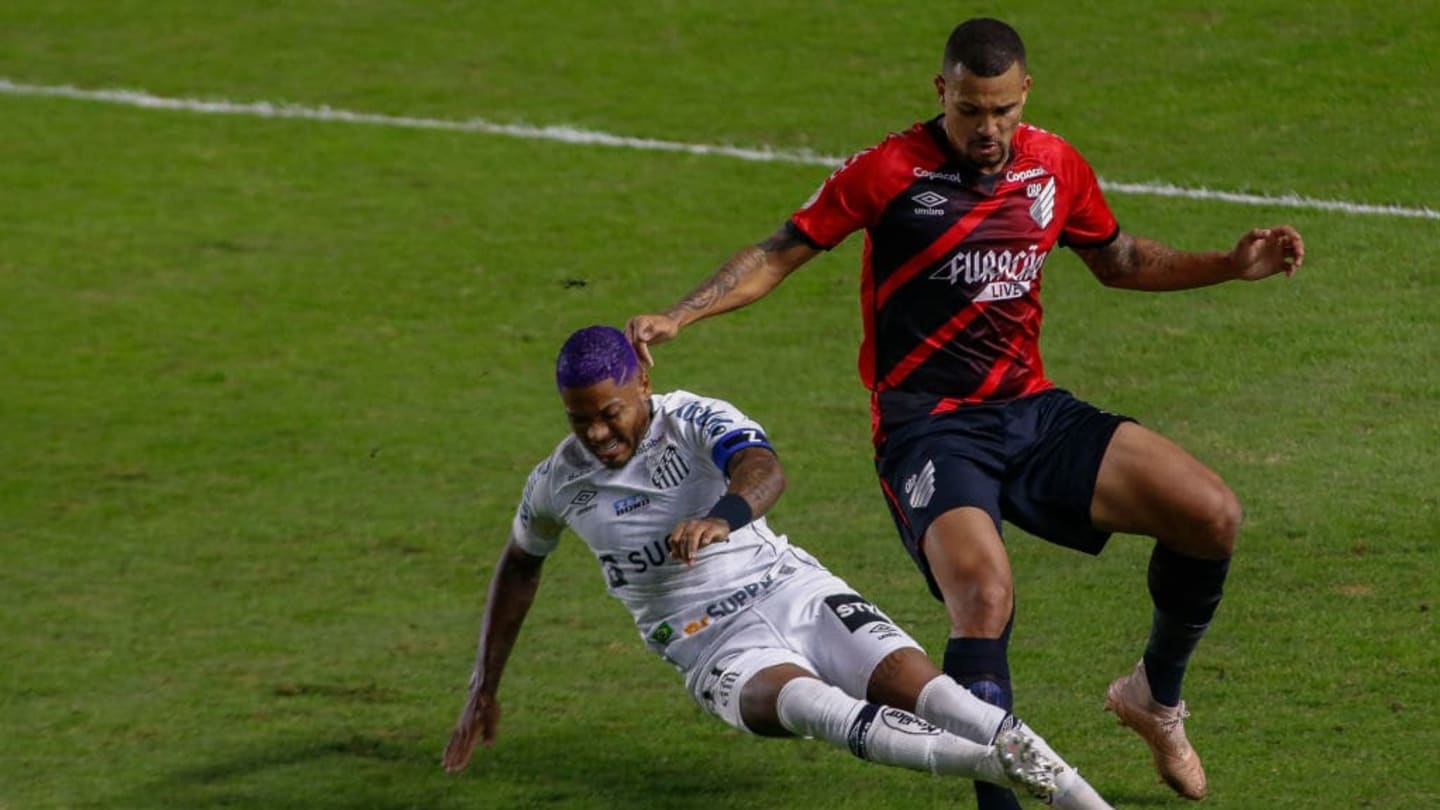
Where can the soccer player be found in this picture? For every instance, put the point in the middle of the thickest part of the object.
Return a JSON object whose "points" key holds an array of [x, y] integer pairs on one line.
{"points": [[669, 492], [960, 213]]}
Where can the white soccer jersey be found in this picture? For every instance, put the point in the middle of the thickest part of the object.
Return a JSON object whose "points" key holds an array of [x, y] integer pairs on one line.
{"points": [[625, 516]]}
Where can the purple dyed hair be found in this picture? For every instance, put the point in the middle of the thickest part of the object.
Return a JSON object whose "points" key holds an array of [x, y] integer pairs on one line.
{"points": [[593, 354]]}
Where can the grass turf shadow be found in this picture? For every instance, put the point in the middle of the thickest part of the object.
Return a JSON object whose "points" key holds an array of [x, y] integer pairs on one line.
{"points": [[390, 772]]}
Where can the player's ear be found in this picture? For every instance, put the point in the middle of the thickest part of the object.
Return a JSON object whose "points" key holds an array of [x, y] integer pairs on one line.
{"points": [[940, 88], [644, 382]]}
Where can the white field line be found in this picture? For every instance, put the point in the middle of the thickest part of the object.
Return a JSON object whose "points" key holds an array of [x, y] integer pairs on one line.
{"points": [[267, 109]]}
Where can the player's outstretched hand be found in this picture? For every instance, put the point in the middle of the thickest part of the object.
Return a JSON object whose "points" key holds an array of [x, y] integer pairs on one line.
{"points": [[692, 535], [644, 330], [1264, 252], [478, 723]]}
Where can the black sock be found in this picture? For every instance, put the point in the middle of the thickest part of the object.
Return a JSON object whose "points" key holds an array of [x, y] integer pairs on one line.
{"points": [[1186, 592], [981, 665]]}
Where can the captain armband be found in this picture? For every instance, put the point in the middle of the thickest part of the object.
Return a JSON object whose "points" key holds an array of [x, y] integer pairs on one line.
{"points": [[735, 441]]}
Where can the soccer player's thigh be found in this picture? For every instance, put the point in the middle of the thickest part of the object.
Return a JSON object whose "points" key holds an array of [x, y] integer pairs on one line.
{"points": [[968, 562], [944, 494], [1150, 485], [856, 646]]}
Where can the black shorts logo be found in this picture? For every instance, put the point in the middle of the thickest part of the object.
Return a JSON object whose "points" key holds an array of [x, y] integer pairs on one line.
{"points": [[852, 610]]}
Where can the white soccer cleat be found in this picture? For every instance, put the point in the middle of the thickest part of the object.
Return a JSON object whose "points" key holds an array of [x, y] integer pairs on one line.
{"points": [[1059, 784], [1024, 765]]}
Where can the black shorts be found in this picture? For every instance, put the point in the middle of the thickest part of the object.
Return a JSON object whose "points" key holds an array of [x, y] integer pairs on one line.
{"points": [[1031, 461]]}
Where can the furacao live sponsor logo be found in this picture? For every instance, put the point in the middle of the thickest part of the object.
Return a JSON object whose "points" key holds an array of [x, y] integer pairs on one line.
{"points": [[1004, 273]]}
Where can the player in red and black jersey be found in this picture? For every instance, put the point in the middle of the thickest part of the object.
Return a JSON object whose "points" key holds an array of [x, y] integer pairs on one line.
{"points": [[960, 214], [953, 260]]}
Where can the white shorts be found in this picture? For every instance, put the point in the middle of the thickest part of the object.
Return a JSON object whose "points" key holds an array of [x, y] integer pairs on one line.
{"points": [[813, 620]]}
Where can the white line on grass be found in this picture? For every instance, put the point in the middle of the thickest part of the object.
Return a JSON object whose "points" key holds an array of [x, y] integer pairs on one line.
{"points": [[266, 109]]}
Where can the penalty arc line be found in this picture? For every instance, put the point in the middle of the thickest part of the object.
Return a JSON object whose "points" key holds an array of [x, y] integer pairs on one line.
{"points": [[572, 135]]}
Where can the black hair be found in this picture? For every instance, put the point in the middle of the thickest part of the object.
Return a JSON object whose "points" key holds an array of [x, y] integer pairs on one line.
{"points": [[983, 46]]}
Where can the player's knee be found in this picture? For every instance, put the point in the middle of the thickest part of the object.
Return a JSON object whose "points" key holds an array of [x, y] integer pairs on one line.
{"points": [[1219, 523], [760, 699], [980, 609]]}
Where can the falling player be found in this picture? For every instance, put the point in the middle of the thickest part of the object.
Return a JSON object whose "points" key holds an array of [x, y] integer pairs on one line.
{"points": [[670, 492]]}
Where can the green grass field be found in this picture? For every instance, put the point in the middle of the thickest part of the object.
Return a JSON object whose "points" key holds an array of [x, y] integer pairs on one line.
{"points": [[271, 387]]}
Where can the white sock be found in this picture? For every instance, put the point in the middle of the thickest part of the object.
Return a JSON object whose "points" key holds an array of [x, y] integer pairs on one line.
{"points": [[952, 707], [1072, 792], [883, 734]]}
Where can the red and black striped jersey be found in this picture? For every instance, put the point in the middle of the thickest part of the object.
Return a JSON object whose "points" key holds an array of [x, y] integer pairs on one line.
{"points": [[950, 292]]}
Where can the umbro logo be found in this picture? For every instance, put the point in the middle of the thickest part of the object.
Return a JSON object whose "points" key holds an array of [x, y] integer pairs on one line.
{"points": [[930, 199], [930, 203], [585, 501]]}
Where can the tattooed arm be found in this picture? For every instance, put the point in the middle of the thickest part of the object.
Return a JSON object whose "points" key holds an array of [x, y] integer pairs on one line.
{"points": [[1137, 263], [756, 477], [748, 275]]}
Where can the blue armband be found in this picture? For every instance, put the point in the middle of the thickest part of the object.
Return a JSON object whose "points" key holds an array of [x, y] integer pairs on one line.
{"points": [[735, 441]]}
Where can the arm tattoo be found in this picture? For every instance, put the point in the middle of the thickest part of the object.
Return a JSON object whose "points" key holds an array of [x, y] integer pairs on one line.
{"points": [[1116, 260], [723, 281], [756, 476], [757, 480], [731, 273], [1145, 264]]}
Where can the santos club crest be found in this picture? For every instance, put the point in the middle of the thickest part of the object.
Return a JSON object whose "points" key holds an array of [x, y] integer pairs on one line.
{"points": [[671, 470]]}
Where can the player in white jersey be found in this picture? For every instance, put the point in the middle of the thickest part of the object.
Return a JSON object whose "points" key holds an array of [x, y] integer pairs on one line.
{"points": [[669, 492]]}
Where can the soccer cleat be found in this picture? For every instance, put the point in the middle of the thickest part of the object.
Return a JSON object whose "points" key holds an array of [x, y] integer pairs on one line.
{"points": [[1162, 728], [1024, 765], [1070, 791]]}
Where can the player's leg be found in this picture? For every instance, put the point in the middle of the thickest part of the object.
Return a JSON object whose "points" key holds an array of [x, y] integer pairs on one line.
{"points": [[789, 699], [907, 678], [761, 677], [1149, 485], [968, 562], [972, 571], [944, 494], [853, 645], [1087, 473]]}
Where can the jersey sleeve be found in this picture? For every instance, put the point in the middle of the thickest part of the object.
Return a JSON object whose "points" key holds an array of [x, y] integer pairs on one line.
{"points": [[846, 202], [537, 525], [718, 429], [1090, 222]]}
